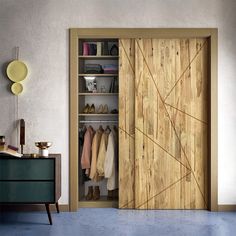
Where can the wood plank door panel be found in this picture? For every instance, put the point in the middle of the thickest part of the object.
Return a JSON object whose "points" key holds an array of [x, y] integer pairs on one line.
{"points": [[126, 123], [171, 124]]}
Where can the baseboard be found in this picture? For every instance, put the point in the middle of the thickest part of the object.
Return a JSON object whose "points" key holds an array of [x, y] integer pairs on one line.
{"points": [[226, 207], [34, 207], [97, 204], [65, 207]]}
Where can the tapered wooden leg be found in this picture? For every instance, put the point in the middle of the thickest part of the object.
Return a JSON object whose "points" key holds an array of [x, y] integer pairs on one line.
{"points": [[57, 206], [49, 213]]}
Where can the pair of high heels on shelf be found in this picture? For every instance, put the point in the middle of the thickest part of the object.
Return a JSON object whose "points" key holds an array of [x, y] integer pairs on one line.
{"points": [[89, 109], [103, 109]]}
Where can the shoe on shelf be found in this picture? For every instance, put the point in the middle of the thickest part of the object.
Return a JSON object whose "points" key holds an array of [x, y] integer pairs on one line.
{"points": [[105, 109], [100, 109], [96, 193], [86, 108], [92, 109], [114, 111], [89, 196]]}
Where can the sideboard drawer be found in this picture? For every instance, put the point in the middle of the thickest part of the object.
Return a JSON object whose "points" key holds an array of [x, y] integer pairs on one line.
{"points": [[26, 192], [23, 169]]}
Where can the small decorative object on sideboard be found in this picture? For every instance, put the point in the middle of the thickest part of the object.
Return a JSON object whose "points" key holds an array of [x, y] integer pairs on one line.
{"points": [[43, 148], [22, 135], [34, 155]]}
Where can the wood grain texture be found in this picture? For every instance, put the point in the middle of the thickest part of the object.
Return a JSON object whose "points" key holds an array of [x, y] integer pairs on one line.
{"points": [[126, 123], [171, 155], [192, 83], [73, 135]]}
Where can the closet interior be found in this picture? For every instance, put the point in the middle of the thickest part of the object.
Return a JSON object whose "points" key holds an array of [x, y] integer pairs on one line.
{"points": [[98, 87]]}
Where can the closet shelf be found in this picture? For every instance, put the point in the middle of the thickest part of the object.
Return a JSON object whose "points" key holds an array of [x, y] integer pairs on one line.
{"points": [[102, 115], [98, 57], [102, 202], [98, 94], [102, 198], [98, 121], [99, 75]]}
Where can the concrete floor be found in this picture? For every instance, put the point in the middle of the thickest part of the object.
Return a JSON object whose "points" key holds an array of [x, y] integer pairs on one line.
{"points": [[113, 222]]}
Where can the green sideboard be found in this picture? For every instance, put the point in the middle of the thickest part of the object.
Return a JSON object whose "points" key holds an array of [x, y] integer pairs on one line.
{"points": [[31, 181]]}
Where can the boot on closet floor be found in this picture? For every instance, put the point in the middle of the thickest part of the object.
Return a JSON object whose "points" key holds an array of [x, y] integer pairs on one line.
{"points": [[115, 194], [89, 196], [110, 195], [96, 193]]}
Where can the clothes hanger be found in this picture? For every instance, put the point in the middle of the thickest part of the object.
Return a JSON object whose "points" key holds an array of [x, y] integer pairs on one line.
{"points": [[91, 127], [108, 128], [82, 128]]}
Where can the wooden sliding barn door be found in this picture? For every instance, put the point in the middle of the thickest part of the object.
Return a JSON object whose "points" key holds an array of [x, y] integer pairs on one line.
{"points": [[126, 123], [171, 124]]}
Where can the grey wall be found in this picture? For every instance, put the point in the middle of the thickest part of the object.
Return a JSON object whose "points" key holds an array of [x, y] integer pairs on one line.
{"points": [[40, 29]]}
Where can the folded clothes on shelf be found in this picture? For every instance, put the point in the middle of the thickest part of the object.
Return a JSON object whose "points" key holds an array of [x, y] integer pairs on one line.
{"points": [[110, 69], [93, 68]]}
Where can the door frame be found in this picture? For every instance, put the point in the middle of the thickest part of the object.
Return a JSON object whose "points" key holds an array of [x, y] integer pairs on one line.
{"points": [[75, 33]]}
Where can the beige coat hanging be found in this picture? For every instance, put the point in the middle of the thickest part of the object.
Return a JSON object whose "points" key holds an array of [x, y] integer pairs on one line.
{"points": [[102, 153]]}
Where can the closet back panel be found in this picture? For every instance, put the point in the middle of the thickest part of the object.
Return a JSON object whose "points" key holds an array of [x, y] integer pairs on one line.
{"points": [[126, 123], [171, 123]]}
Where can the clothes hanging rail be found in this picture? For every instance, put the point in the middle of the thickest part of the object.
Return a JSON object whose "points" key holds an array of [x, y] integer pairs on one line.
{"points": [[98, 121]]}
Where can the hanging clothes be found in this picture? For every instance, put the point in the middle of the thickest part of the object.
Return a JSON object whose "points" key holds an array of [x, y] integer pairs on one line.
{"points": [[111, 160], [95, 149], [102, 152], [87, 150], [82, 176]]}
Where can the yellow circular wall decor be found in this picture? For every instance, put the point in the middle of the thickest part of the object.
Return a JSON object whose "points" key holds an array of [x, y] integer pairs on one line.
{"points": [[17, 88], [17, 71]]}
